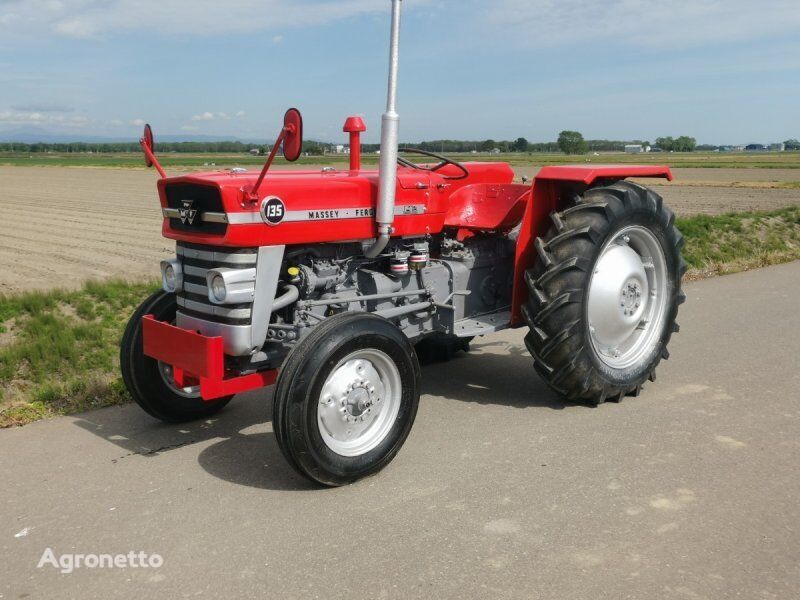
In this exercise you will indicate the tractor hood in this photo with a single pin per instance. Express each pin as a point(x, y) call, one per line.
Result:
point(302, 206)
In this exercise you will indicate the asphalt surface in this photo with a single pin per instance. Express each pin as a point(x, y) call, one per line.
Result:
point(502, 491)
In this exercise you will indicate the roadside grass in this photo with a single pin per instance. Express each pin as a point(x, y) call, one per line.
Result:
point(722, 244)
point(59, 349)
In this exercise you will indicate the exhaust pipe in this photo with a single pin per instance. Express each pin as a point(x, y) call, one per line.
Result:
point(390, 127)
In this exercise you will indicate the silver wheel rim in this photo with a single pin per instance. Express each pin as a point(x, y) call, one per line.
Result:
point(359, 402)
point(169, 379)
point(628, 298)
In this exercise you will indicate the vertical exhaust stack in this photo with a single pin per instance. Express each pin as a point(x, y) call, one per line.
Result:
point(390, 126)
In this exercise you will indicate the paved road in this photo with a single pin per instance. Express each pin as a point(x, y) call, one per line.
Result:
point(689, 491)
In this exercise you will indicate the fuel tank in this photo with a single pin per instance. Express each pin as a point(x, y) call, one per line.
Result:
point(297, 207)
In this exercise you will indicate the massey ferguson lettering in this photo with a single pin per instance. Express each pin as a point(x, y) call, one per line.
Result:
point(352, 213)
point(314, 215)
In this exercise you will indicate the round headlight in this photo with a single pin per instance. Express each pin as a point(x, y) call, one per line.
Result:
point(170, 281)
point(218, 288)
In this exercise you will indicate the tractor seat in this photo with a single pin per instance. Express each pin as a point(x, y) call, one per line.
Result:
point(487, 207)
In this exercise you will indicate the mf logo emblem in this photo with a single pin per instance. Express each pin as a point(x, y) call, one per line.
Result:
point(187, 213)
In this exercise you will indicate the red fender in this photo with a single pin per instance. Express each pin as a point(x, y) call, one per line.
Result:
point(548, 191)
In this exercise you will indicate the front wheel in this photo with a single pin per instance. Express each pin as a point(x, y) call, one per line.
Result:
point(346, 398)
point(604, 293)
point(149, 381)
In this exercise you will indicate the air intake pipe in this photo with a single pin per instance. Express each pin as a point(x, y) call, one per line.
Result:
point(390, 126)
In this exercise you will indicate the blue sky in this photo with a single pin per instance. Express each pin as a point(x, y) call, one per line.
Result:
point(723, 71)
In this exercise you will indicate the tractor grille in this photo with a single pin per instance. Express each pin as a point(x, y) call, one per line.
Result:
point(193, 300)
point(203, 199)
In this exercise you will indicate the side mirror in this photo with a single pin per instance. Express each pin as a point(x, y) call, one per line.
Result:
point(148, 142)
point(293, 134)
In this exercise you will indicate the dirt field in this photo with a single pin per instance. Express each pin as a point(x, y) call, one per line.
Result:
point(62, 226)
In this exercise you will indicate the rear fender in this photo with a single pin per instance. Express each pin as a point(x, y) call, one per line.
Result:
point(553, 189)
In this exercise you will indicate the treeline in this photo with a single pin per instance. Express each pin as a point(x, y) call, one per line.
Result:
point(518, 145)
point(578, 146)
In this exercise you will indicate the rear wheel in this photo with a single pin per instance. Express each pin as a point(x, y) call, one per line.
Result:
point(604, 293)
point(149, 381)
point(346, 398)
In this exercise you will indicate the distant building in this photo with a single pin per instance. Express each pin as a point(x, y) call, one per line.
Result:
point(778, 147)
point(255, 151)
point(755, 147)
point(634, 148)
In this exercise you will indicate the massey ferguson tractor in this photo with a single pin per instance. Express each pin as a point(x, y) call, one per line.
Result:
point(322, 282)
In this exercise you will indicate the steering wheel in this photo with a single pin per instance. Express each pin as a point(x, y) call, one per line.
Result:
point(443, 162)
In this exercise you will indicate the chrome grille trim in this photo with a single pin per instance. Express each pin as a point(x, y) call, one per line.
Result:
point(217, 256)
point(193, 298)
point(195, 271)
point(215, 310)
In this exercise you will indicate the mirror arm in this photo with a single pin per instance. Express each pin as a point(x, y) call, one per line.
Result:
point(152, 158)
point(253, 194)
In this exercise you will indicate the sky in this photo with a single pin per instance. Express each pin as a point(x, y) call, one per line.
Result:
point(722, 71)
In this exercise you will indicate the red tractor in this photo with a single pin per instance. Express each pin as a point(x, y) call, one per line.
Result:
point(323, 282)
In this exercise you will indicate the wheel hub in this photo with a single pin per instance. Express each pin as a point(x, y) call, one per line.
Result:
point(357, 402)
point(631, 297)
point(627, 297)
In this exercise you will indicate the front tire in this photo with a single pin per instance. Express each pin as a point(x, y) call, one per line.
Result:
point(604, 293)
point(346, 398)
point(149, 381)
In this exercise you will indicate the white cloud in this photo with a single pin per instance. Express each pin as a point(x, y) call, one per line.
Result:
point(189, 128)
point(211, 116)
point(137, 122)
point(14, 117)
point(277, 39)
point(75, 28)
point(89, 18)
point(48, 108)
point(674, 24)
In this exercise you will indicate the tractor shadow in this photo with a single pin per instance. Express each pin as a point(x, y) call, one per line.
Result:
point(493, 372)
point(238, 445)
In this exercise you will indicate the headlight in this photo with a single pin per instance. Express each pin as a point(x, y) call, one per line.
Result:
point(171, 275)
point(231, 286)
point(218, 288)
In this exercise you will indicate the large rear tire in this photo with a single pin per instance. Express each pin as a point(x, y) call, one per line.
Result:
point(604, 293)
point(346, 398)
point(149, 381)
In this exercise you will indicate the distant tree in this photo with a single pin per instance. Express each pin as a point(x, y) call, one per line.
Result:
point(521, 145)
point(488, 145)
point(572, 142)
point(792, 144)
point(665, 143)
point(685, 144)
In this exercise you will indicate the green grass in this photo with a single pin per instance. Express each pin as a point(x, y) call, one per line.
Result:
point(739, 241)
point(734, 160)
point(58, 349)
